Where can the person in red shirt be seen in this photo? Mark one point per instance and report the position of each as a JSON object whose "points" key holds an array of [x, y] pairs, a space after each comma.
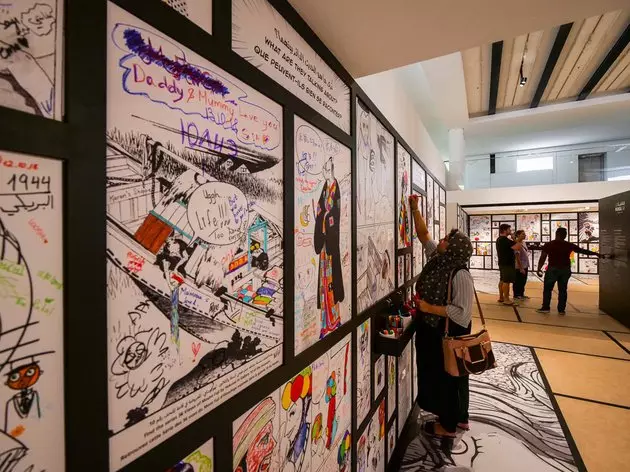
{"points": [[559, 269]]}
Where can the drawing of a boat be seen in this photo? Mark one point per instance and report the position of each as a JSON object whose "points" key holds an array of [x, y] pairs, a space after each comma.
{"points": [[152, 241]]}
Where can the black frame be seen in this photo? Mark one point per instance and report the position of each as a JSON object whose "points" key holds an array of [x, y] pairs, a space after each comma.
{"points": [[79, 141]]}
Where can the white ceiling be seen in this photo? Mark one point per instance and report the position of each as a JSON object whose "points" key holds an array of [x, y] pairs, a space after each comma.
{"points": [[371, 36]]}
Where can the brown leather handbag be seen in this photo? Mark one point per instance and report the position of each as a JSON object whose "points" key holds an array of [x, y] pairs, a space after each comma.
{"points": [[468, 354]]}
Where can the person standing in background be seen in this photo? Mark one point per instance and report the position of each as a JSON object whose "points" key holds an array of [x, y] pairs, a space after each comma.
{"points": [[505, 248], [559, 269], [522, 266]]}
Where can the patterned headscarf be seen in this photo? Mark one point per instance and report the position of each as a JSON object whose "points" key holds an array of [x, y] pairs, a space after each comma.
{"points": [[432, 286]]}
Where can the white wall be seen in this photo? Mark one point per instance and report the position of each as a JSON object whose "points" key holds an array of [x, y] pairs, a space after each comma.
{"points": [[538, 193], [388, 94], [566, 166]]}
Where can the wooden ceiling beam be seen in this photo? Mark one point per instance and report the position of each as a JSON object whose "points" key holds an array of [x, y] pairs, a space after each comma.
{"points": [[552, 60], [608, 61], [495, 74]]}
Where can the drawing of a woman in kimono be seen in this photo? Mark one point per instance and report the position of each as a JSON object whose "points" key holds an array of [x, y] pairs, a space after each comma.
{"points": [[326, 242]]}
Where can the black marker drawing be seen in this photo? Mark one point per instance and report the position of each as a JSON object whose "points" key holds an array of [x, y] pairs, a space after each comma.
{"points": [[375, 206], [30, 66], [195, 235]]}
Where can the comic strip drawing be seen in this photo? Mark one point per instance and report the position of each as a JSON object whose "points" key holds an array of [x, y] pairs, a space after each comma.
{"points": [[296, 399], [31, 321], [373, 440], [391, 441], [197, 11], [254, 442], [480, 228], [404, 387], [436, 201], [379, 376], [418, 177], [31, 58], [531, 224], [588, 224], [302, 426], [418, 253], [391, 386], [345, 451], [199, 461], [375, 210], [429, 210], [323, 259], [194, 235], [364, 381], [404, 190]]}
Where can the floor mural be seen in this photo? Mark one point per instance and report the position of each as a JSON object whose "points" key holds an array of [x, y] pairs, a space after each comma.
{"points": [[513, 425]]}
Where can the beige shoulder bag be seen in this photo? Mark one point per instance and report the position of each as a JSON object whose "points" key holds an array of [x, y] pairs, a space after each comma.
{"points": [[468, 354]]}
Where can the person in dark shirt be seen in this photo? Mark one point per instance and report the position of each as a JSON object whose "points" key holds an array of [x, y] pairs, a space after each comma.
{"points": [[559, 269], [505, 248]]}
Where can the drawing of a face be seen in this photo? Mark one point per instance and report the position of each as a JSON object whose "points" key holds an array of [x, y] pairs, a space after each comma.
{"points": [[135, 355], [172, 246], [364, 127], [258, 457], [305, 275], [327, 170], [23, 377], [385, 269], [363, 341], [39, 19]]}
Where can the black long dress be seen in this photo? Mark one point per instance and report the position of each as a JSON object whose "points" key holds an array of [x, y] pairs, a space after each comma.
{"points": [[327, 234], [438, 392]]}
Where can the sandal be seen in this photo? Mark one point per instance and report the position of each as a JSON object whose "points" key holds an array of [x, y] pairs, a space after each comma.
{"points": [[429, 428]]}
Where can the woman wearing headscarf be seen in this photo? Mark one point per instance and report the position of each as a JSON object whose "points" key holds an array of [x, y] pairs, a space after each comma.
{"points": [[438, 392]]}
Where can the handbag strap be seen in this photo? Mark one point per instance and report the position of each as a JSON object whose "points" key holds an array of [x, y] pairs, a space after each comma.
{"points": [[449, 299], [483, 321]]}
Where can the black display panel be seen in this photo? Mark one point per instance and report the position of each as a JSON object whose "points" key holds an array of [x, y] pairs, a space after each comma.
{"points": [[614, 274]]}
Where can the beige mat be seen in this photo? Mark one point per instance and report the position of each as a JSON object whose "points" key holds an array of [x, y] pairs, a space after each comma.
{"points": [[593, 378], [566, 339], [600, 432], [572, 319]]}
